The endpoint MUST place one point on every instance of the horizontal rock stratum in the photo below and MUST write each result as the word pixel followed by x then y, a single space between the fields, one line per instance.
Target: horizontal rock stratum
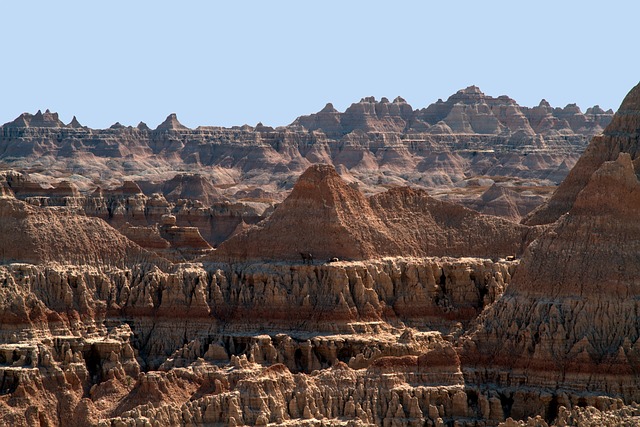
pixel 378 144
pixel 351 298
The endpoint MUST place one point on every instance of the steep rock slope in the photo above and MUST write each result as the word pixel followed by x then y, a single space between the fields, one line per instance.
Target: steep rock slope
pixel 39 235
pixel 620 136
pixel 83 344
pixel 327 218
pixel 569 319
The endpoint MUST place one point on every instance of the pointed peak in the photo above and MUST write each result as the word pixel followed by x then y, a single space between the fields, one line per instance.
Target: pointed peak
pixel 74 123
pixel 572 108
pixel 329 108
pixel 46 120
pixel 494 192
pixel 260 127
pixel 143 126
pixel 171 123
pixel 631 102
pixel 471 90
pixel 321 181
pixel 22 121
pixel 595 110
pixel 319 172
pixel 130 187
pixel 544 103
pixel 399 100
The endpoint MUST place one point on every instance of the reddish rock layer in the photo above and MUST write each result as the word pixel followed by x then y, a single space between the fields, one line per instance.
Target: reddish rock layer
pixel 569 319
pixel 39 235
pixel 326 217
pixel 620 136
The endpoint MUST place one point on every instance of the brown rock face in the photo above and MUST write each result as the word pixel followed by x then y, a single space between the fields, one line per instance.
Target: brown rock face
pixel 40 235
pixel 326 217
pixel 192 187
pixel 569 319
pixel 620 136
pixel 322 215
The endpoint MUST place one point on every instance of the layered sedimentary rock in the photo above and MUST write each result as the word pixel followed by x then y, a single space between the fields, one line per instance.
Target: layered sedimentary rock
pixel 76 339
pixel 377 144
pixel 196 226
pixel 324 217
pixel 620 136
pixel 469 111
pixel 568 321
pixel 97 331
pixel 35 235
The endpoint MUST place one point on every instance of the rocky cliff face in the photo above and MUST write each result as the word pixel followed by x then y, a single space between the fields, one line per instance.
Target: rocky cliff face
pixel 82 345
pixel 568 321
pixel 193 230
pixel 36 235
pixel 620 136
pixel 469 111
pixel 95 330
pixel 378 144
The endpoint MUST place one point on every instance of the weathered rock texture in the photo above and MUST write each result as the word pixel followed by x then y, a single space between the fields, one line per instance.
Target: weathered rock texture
pixel 568 322
pixel 327 218
pixel 620 136
pixel 74 340
pixel 194 229
pixel 95 330
pixel 35 235
pixel 376 144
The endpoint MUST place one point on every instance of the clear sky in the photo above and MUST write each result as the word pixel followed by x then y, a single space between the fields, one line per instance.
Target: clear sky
pixel 236 62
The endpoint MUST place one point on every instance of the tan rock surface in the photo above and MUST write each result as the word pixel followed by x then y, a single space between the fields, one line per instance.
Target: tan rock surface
pixel 380 143
pixel 39 235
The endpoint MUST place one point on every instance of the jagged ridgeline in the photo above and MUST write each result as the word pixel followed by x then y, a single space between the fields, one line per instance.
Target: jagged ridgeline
pixel 290 276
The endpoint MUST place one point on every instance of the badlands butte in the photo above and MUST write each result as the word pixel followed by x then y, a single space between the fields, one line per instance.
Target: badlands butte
pixel 471 263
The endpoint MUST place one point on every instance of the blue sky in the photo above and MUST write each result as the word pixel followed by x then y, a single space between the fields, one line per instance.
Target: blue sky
pixel 230 63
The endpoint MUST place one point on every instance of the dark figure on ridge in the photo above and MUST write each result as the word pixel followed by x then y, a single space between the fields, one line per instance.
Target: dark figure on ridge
pixel 306 256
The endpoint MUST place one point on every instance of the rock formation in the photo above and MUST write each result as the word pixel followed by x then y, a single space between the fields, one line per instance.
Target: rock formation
pixel 337 294
pixel 192 335
pixel 379 144
pixel 327 218
pixel 568 320
pixel 37 236
pixel 620 136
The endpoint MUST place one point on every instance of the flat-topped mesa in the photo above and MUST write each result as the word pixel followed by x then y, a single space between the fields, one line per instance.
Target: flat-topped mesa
pixel 171 123
pixel 568 320
pixel 620 136
pixel 325 217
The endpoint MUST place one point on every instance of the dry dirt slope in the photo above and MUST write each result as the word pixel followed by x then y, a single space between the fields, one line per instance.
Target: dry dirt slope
pixel 326 217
